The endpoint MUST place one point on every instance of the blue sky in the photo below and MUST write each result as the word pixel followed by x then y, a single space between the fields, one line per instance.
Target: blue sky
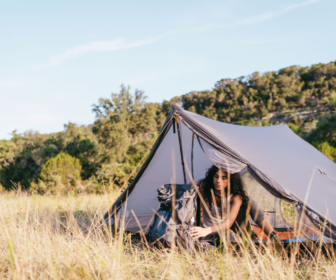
pixel 58 58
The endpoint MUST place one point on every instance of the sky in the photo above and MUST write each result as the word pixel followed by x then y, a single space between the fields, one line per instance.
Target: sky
pixel 57 58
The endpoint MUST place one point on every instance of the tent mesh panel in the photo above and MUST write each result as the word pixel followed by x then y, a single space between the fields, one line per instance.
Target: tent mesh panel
pixel 271 205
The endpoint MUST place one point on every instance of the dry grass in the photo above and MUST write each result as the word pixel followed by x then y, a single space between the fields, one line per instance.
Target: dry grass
pixel 56 238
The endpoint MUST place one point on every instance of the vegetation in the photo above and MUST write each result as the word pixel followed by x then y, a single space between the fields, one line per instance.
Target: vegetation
pixel 284 95
pixel 107 151
pixel 126 126
pixel 64 166
pixel 58 175
pixel 324 136
pixel 59 238
pixel 23 157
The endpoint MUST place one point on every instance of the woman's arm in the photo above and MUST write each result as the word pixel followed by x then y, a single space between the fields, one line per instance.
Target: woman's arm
pixel 197 232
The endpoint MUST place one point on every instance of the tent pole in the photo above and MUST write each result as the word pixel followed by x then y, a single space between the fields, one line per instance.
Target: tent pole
pixel 192 155
pixel 181 151
pixel 198 200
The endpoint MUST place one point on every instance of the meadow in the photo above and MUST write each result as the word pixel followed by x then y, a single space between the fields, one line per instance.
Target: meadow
pixel 59 237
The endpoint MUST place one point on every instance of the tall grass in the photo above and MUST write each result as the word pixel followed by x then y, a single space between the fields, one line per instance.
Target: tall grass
pixel 60 238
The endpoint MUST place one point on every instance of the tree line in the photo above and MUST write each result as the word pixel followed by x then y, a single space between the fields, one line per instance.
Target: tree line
pixel 103 155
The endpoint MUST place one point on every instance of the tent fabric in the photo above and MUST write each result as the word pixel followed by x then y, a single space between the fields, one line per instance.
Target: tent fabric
pixel 109 215
pixel 219 159
pixel 284 164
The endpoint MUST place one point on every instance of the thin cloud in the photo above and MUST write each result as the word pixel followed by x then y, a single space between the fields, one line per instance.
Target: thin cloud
pixel 260 18
pixel 271 15
pixel 99 46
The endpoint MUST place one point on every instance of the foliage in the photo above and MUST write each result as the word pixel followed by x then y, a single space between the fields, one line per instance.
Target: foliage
pixel 291 94
pixel 117 174
pixel 59 175
pixel 327 150
pixel 289 213
pixel 22 157
pixel 126 125
pixel 325 130
pixel 63 166
pixel 82 143
pixel 323 136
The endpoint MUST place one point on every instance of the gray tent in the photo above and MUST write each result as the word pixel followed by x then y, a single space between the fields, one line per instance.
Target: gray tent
pixel 276 166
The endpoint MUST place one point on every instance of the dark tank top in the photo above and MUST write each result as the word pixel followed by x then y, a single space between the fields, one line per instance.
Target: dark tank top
pixel 242 219
pixel 249 208
pixel 241 223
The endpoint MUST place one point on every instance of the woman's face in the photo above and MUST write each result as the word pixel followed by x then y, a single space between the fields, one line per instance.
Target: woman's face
pixel 220 180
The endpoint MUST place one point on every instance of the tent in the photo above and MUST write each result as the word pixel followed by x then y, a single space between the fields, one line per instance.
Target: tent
pixel 278 168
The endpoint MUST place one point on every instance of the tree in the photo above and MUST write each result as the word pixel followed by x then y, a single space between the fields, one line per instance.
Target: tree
pixel 323 137
pixel 125 123
pixel 126 126
pixel 80 142
pixel 63 168
pixel 277 95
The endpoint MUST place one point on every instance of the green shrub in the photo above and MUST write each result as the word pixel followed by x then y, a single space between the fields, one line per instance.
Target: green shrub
pixel 93 186
pixel 328 150
pixel 116 174
pixel 61 170
pixel 38 188
pixel 2 188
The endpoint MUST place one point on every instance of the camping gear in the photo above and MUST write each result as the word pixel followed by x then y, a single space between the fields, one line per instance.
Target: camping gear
pixel 175 216
pixel 275 164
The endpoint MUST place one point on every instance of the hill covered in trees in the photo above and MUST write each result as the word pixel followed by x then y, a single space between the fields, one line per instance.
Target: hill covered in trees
pixel 284 95
pixel 103 155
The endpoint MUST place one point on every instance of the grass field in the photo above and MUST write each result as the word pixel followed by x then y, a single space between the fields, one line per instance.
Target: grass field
pixel 58 238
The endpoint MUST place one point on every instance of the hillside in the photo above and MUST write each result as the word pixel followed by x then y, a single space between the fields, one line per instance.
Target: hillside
pixel 289 94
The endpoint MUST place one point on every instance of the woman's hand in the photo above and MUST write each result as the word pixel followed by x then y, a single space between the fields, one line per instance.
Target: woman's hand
pixel 197 232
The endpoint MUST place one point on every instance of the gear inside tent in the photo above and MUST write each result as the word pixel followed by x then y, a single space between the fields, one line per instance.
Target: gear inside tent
pixel 291 181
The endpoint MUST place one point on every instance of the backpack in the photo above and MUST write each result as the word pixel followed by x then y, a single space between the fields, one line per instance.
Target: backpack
pixel 167 230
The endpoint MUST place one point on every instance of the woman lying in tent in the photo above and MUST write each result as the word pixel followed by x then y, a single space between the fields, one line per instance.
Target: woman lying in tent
pixel 233 207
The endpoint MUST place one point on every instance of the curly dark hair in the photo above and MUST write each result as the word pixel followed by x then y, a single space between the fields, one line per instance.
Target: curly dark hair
pixel 236 186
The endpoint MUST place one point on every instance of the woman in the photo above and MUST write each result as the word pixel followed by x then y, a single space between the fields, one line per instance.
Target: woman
pixel 226 206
